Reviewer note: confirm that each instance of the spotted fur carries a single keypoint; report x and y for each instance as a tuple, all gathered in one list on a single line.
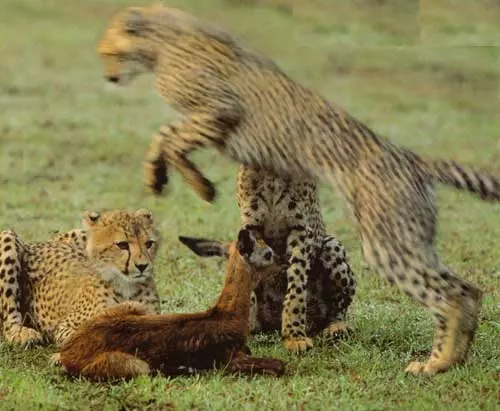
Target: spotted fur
[(316, 286), (76, 237), (243, 104), (47, 289)]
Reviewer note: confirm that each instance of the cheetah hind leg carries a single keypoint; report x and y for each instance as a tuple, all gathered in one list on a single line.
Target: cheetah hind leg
[(456, 323), (11, 321)]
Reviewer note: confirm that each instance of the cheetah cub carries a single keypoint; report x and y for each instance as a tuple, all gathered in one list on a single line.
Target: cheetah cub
[(48, 289), (240, 102), (316, 286)]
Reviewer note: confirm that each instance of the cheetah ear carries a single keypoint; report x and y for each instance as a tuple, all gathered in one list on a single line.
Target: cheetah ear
[(206, 248), (135, 21), (90, 218), (142, 212)]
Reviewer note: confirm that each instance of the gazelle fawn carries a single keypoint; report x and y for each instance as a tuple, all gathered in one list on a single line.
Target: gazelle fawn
[(127, 341)]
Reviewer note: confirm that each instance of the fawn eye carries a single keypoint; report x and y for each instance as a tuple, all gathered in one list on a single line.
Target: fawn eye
[(122, 245), (150, 243)]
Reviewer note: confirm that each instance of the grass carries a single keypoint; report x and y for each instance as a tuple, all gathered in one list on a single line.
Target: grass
[(425, 75)]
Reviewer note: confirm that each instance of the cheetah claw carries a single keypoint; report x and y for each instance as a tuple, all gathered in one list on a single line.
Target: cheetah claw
[(337, 331), (55, 360), (429, 368), (24, 336), (298, 345)]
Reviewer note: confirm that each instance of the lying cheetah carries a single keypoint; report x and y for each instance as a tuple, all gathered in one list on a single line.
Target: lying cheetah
[(317, 282), (243, 104), (47, 289)]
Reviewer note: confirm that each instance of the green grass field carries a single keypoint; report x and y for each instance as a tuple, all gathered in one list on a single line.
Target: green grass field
[(426, 75)]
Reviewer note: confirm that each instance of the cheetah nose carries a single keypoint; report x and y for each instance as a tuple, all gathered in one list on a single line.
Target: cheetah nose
[(113, 79), (141, 267), (268, 255)]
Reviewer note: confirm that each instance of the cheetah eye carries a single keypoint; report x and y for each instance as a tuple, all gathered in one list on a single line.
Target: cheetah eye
[(150, 243), (122, 245)]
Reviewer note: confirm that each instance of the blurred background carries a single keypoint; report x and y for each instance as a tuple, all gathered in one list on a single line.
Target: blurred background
[(425, 74)]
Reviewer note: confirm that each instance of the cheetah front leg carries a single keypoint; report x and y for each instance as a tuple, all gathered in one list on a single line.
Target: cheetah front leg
[(148, 296), (293, 326), (334, 262), (14, 331), (173, 142)]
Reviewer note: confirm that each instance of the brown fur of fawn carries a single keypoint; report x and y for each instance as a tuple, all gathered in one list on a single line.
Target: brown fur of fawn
[(126, 341)]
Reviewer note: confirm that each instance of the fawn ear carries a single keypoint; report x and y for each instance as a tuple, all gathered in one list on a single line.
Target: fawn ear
[(204, 247), (246, 242)]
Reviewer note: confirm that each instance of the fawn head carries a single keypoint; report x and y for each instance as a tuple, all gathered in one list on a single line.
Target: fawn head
[(253, 252)]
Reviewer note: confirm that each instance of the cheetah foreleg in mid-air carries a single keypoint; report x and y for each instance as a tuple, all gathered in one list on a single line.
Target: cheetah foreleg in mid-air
[(171, 145)]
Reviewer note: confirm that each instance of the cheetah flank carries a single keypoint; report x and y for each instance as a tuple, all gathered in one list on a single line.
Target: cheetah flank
[(243, 104), (47, 289)]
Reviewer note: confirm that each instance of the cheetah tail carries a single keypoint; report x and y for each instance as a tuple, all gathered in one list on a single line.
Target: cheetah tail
[(485, 185)]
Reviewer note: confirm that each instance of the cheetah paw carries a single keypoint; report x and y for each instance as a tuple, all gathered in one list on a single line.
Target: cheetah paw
[(55, 360), (23, 336), (137, 308), (298, 345), (204, 188), (429, 368), (337, 331)]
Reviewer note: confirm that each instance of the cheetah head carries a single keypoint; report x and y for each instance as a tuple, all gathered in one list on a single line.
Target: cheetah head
[(135, 37), (124, 243), (126, 48)]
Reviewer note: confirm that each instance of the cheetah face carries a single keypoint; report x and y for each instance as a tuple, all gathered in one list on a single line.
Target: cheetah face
[(133, 36), (124, 243), (124, 50)]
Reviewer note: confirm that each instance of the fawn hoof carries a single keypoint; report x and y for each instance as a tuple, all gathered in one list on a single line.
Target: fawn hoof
[(276, 368), (24, 336), (337, 331), (298, 345), (155, 176)]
